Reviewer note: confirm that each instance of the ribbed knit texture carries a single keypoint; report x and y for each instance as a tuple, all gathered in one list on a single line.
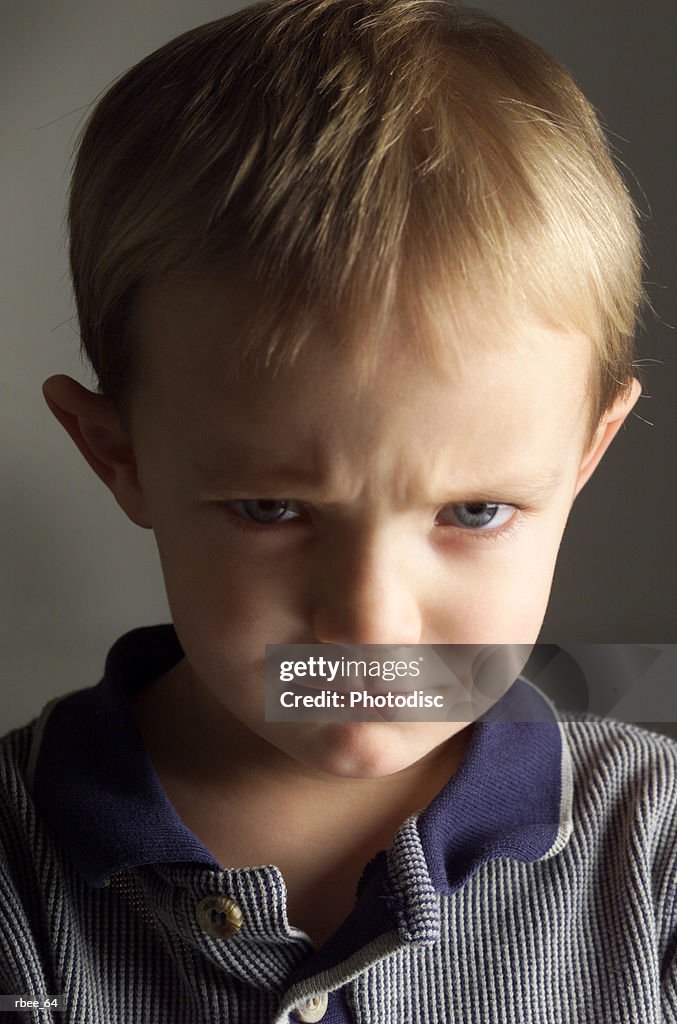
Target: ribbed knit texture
[(588, 934)]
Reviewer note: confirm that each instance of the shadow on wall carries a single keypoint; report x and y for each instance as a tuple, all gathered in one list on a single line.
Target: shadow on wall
[(76, 575), (618, 681)]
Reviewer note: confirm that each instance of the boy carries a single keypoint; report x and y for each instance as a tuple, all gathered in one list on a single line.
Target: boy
[(359, 283)]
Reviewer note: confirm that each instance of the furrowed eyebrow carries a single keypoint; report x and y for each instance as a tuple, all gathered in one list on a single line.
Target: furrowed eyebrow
[(525, 487), (274, 479), (287, 481)]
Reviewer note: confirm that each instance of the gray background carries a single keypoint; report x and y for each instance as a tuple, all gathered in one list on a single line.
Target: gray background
[(75, 572)]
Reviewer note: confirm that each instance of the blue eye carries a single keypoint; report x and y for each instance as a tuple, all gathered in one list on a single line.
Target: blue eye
[(475, 515), (265, 511)]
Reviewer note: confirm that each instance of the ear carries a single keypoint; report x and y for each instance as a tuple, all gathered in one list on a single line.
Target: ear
[(609, 426), (95, 426)]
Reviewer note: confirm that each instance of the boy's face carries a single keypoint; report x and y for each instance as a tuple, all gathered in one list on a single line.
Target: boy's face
[(428, 508)]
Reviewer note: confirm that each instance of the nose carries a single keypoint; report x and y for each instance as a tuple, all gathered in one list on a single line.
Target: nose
[(366, 592)]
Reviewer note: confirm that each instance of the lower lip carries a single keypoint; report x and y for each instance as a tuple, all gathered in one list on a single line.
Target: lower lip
[(301, 688)]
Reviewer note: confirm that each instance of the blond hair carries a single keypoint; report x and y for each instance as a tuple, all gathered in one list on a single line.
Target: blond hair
[(351, 155)]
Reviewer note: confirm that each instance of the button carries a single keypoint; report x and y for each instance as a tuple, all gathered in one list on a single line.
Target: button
[(312, 1009), (219, 916)]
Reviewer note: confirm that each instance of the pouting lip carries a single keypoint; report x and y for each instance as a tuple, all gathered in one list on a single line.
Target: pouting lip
[(302, 689)]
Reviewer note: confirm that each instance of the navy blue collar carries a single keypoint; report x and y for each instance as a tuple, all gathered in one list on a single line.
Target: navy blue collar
[(98, 794)]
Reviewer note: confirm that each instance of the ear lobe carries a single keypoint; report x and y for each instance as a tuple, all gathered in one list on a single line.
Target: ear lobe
[(94, 424), (610, 424)]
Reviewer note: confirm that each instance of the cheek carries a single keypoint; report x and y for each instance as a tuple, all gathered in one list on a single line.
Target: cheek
[(496, 594), (532, 580), (221, 589)]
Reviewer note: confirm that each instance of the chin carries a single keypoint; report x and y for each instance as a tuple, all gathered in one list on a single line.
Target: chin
[(363, 750)]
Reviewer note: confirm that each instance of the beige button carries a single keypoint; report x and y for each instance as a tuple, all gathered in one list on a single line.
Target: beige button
[(312, 1009), (219, 916)]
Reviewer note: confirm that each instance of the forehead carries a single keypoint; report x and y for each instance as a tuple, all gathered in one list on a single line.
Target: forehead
[(197, 322), (506, 374)]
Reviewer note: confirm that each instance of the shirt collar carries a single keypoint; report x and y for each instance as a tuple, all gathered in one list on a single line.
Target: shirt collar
[(98, 794)]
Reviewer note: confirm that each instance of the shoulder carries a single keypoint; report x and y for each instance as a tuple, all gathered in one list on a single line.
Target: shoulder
[(624, 785), (27, 851), (22, 864), (20, 830), (624, 819), (15, 763), (620, 751), (24, 840)]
